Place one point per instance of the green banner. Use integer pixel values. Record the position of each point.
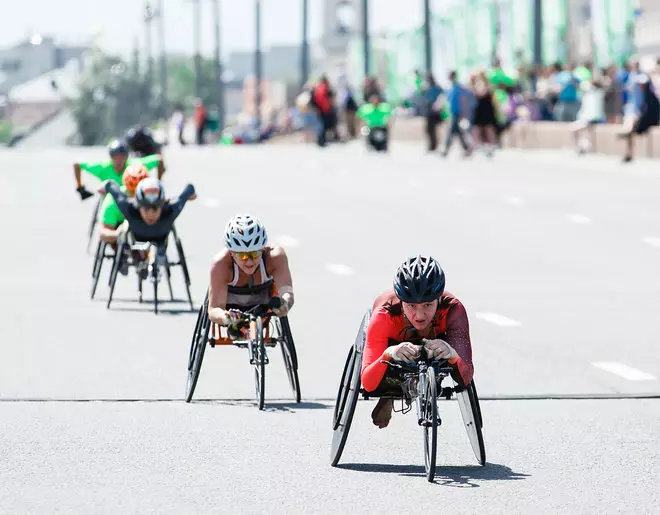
(483, 33)
(620, 30)
(555, 31)
(458, 22)
(521, 28)
(405, 55)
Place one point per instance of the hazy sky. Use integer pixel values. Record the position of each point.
(75, 20)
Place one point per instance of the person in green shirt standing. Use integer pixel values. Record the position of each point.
(113, 169)
(376, 116)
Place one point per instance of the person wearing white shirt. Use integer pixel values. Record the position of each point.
(592, 112)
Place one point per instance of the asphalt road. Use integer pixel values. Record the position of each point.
(555, 258)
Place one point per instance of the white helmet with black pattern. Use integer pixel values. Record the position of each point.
(245, 233)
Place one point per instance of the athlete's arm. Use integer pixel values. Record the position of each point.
(80, 188)
(282, 277)
(110, 219)
(220, 279)
(123, 203)
(375, 349)
(177, 205)
(154, 161)
(458, 336)
(109, 233)
(161, 166)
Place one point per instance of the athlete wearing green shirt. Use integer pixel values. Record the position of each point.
(375, 113)
(376, 116)
(114, 168)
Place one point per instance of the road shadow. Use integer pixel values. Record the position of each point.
(165, 306)
(453, 476)
(270, 406)
(162, 309)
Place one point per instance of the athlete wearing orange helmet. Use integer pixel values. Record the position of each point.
(132, 177)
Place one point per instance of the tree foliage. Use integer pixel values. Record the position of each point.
(113, 95)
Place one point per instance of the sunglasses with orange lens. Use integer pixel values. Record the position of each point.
(244, 256)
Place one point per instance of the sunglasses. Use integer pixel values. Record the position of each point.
(244, 256)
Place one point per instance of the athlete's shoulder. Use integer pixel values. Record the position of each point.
(452, 305)
(221, 261)
(450, 300)
(384, 302)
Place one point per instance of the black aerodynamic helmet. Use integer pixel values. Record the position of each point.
(419, 279)
(117, 147)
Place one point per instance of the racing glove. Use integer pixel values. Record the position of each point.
(84, 193)
(286, 301)
(440, 349)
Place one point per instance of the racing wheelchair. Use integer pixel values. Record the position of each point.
(258, 330)
(421, 383)
(94, 220)
(149, 260)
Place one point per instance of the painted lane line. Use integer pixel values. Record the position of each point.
(416, 184)
(499, 320)
(629, 373)
(211, 203)
(339, 269)
(578, 218)
(286, 241)
(654, 242)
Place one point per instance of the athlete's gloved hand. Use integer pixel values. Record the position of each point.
(286, 303)
(405, 351)
(84, 193)
(440, 349)
(231, 317)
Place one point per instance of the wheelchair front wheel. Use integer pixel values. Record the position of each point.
(428, 404)
(197, 348)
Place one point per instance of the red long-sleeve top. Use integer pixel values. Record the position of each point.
(388, 327)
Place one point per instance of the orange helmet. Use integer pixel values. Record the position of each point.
(133, 175)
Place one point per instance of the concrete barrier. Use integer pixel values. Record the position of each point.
(543, 135)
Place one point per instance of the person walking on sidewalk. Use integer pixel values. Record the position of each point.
(457, 101)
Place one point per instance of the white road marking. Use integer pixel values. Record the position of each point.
(578, 218)
(514, 201)
(339, 269)
(654, 242)
(211, 203)
(496, 319)
(416, 184)
(632, 374)
(286, 241)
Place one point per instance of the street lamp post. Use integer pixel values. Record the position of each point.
(427, 37)
(219, 84)
(365, 37)
(304, 50)
(164, 105)
(197, 21)
(148, 18)
(257, 64)
(538, 38)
